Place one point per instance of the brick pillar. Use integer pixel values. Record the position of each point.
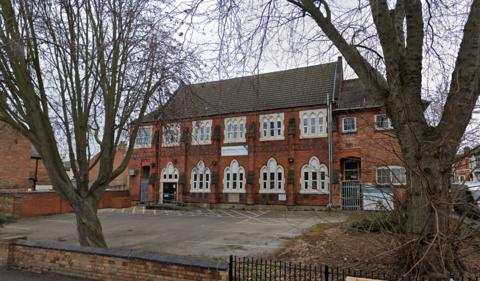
(6, 250)
(292, 166)
(249, 188)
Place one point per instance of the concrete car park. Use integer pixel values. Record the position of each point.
(200, 233)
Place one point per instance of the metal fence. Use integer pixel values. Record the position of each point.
(351, 196)
(242, 269)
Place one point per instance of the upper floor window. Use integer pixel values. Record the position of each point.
(200, 178)
(272, 178)
(144, 137)
(382, 122)
(313, 123)
(349, 124)
(395, 175)
(202, 131)
(314, 176)
(234, 178)
(171, 135)
(271, 127)
(235, 129)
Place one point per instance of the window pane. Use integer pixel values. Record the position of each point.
(305, 176)
(202, 133)
(314, 180)
(234, 181)
(313, 124)
(265, 128)
(241, 130)
(383, 176)
(320, 124)
(207, 137)
(305, 125)
(265, 180)
(272, 180)
(229, 131)
(279, 180)
(235, 130)
(272, 128)
(228, 180)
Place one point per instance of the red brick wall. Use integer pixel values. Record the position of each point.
(122, 179)
(103, 264)
(33, 204)
(14, 159)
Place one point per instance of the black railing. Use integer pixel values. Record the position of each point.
(243, 269)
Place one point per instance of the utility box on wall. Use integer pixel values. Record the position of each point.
(133, 172)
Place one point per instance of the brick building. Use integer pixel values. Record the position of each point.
(21, 168)
(122, 180)
(468, 167)
(299, 137)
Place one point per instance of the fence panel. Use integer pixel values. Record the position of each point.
(351, 196)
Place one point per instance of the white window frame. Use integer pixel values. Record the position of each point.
(309, 129)
(174, 128)
(278, 184)
(380, 128)
(169, 173)
(393, 179)
(354, 124)
(202, 181)
(268, 120)
(314, 168)
(148, 136)
(197, 127)
(234, 175)
(240, 133)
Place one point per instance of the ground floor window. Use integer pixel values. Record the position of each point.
(314, 176)
(200, 178)
(234, 177)
(395, 175)
(272, 177)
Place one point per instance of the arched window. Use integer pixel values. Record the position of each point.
(272, 127)
(272, 177)
(229, 130)
(305, 124)
(242, 126)
(234, 178)
(265, 127)
(171, 135)
(314, 176)
(279, 126)
(320, 123)
(235, 129)
(169, 173)
(200, 179)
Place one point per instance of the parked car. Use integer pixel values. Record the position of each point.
(466, 199)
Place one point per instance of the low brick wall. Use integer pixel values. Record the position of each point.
(109, 264)
(38, 203)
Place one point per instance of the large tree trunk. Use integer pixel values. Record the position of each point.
(89, 228)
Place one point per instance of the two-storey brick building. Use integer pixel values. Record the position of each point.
(293, 138)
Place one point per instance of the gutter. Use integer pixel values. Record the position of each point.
(330, 156)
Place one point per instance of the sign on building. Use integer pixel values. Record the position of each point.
(377, 199)
(235, 150)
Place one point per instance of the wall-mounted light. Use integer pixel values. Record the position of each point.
(152, 165)
(290, 159)
(214, 162)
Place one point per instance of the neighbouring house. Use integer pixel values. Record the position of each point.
(21, 168)
(121, 181)
(467, 167)
(301, 137)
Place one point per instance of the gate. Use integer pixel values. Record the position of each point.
(144, 190)
(351, 196)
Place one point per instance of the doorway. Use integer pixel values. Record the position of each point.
(169, 192)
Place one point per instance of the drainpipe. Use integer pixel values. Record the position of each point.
(330, 156)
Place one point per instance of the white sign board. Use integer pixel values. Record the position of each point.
(235, 150)
(377, 199)
(282, 197)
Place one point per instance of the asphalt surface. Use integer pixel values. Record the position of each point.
(14, 275)
(209, 234)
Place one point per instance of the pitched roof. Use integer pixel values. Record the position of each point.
(306, 86)
(353, 94)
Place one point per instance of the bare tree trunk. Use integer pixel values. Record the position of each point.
(89, 228)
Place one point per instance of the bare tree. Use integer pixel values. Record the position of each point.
(83, 72)
(400, 50)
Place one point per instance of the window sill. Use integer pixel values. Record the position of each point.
(234, 191)
(349, 133)
(142, 146)
(279, 138)
(170, 145)
(309, 191)
(234, 140)
(315, 136)
(377, 130)
(279, 191)
(199, 191)
(201, 143)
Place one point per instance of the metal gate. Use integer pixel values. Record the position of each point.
(144, 190)
(351, 196)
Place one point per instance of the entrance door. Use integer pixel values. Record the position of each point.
(169, 192)
(144, 190)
